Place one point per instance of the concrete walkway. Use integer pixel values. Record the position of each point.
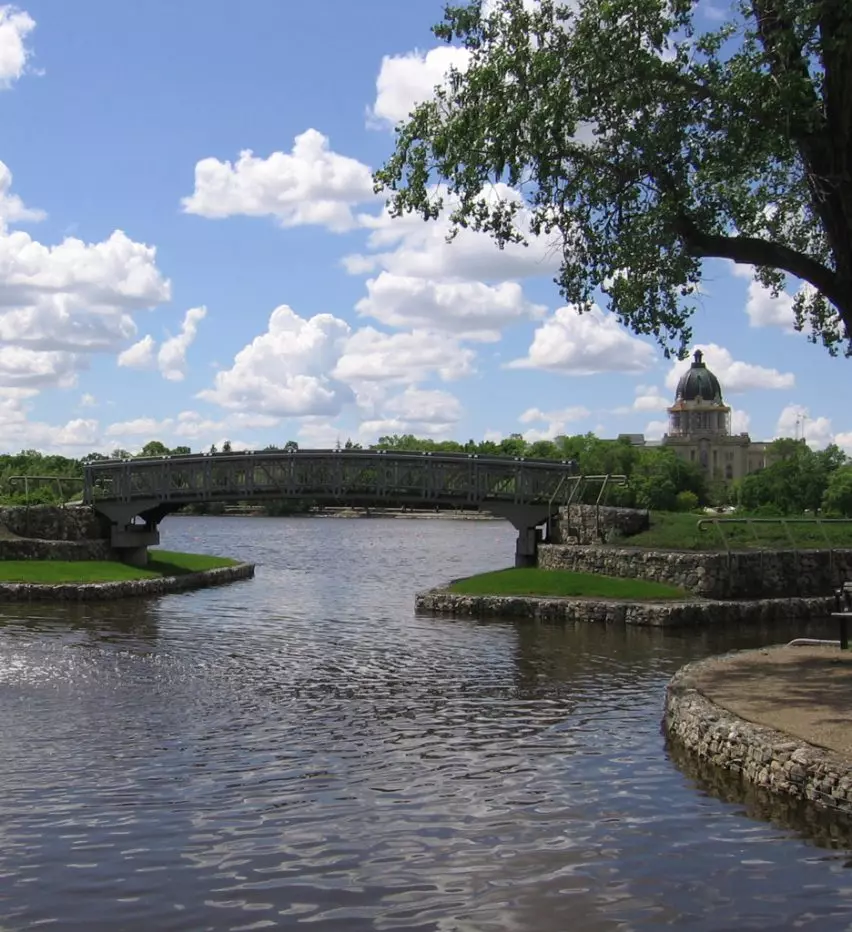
(805, 692)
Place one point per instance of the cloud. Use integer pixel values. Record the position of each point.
(148, 427)
(403, 357)
(556, 421)
(584, 344)
(140, 355)
(171, 358)
(654, 430)
(12, 208)
(64, 302)
(740, 421)
(407, 80)
(650, 398)
(285, 371)
(417, 411)
(311, 185)
(88, 400)
(472, 310)
(408, 247)
(734, 376)
(796, 421)
(15, 26)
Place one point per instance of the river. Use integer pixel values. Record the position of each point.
(303, 751)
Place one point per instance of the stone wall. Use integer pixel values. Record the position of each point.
(590, 524)
(51, 522)
(25, 548)
(761, 755)
(89, 592)
(604, 611)
(738, 574)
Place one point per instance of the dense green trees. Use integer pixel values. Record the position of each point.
(796, 481)
(640, 146)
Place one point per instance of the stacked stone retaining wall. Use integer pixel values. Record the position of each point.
(593, 524)
(25, 548)
(761, 755)
(53, 522)
(692, 613)
(96, 592)
(737, 574)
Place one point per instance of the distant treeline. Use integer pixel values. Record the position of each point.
(798, 479)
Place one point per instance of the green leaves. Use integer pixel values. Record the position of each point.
(643, 147)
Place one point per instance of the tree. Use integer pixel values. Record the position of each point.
(154, 448)
(643, 146)
(837, 499)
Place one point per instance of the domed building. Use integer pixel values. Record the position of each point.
(700, 428)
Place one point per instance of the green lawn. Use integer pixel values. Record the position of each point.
(678, 531)
(160, 563)
(533, 581)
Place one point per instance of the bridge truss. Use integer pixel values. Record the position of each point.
(526, 492)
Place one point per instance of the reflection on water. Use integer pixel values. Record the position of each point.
(302, 748)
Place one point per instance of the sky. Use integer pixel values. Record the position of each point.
(191, 251)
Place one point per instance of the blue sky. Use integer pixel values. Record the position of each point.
(190, 251)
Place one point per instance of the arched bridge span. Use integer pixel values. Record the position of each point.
(526, 492)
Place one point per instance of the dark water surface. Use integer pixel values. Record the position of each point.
(302, 750)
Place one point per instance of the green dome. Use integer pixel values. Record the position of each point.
(699, 383)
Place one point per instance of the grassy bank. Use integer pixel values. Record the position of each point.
(161, 563)
(678, 531)
(556, 583)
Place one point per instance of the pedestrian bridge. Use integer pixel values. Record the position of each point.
(526, 492)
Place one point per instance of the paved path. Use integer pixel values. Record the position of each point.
(803, 691)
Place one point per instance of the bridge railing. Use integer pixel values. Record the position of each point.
(330, 475)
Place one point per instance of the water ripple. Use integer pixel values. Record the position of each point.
(304, 750)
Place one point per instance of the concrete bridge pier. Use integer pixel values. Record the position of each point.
(129, 540)
(527, 520)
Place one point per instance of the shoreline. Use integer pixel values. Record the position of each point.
(777, 760)
(661, 614)
(128, 588)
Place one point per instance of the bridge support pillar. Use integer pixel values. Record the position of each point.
(526, 520)
(132, 541)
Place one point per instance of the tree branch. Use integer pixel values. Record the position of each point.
(750, 250)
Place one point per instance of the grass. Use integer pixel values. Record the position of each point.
(537, 582)
(679, 531)
(160, 563)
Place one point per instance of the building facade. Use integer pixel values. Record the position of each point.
(700, 428)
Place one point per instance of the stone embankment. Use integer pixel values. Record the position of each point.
(52, 522)
(598, 524)
(764, 756)
(96, 592)
(737, 574)
(663, 614)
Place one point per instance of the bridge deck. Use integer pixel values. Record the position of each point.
(354, 477)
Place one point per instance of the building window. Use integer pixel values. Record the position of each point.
(729, 471)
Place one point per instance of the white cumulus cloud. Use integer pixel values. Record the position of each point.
(406, 246)
(407, 80)
(556, 421)
(140, 355)
(425, 413)
(734, 375)
(796, 421)
(584, 344)
(372, 356)
(15, 26)
(309, 185)
(171, 358)
(285, 371)
(472, 310)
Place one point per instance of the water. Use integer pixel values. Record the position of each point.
(301, 750)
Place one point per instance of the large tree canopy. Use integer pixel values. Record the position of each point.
(643, 146)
